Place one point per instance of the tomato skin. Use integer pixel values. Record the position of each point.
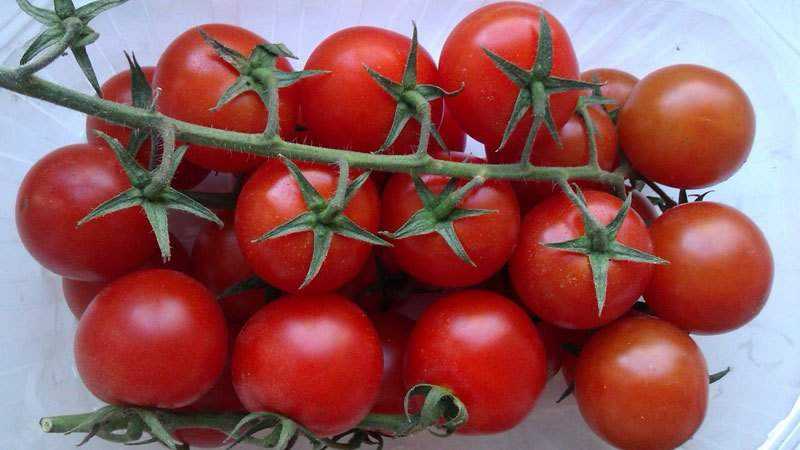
(642, 384)
(61, 189)
(292, 337)
(709, 245)
(486, 350)
(155, 338)
(394, 331)
(78, 294)
(272, 197)
(192, 78)
(217, 260)
(488, 239)
(118, 89)
(687, 126)
(618, 84)
(511, 30)
(573, 152)
(642, 205)
(453, 136)
(364, 111)
(557, 285)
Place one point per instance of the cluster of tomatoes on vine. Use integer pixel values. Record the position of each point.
(210, 331)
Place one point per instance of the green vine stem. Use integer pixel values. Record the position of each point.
(258, 144)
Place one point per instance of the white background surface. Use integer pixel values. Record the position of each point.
(756, 42)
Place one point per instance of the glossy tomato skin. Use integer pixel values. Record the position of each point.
(511, 30)
(295, 337)
(488, 239)
(217, 260)
(118, 89)
(486, 350)
(272, 197)
(642, 384)
(557, 285)
(61, 189)
(394, 331)
(687, 126)
(78, 294)
(720, 270)
(573, 152)
(453, 136)
(192, 77)
(618, 84)
(155, 338)
(363, 113)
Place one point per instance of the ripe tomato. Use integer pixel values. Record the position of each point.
(555, 340)
(316, 359)
(60, 190)
(720, 270)
(573, 152)
(557, 285)
(192, 77)
(363, 113)
(488, 239)
(511, 30)
(618, 84)
(393, 330)
(642, 384)
(78, 294)
(453, 136)
(486, 350)
(687, 126)
(272, 197)
(118, 89)
(155, 338)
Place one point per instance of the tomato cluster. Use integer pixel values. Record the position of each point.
(526, 277)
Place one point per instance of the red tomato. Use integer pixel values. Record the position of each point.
(643, 206)
(574, 152)
(78, 294)
(511, 30)
(453, 136)
(720, 270)
(316, 359)
(618, 84)
(155, 338)
(393, 330)
(557, 285)
(60, 190)
(272, 197)
(217, 260)
(363, 111)
(642, 384)
(488, 239)
(192, 78)
(118, 89)
(555, 340)
(687, 126)
(486, 350)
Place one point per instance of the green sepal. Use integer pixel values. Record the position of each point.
(232, 57)
(355, 438)
(124, 200)
(701, 197)
(567, 392)
(302, 222)
(714, 377)
(85, 64)
(43, 41)
(289, 78)
(41, 15)
(64, 8)
(138, 175)
(91, 10)
(157, 429)
(683, 197)
(248, 284)
(126, 425)
(448, 232)
(177, 200)
(442, 412)
(284, 431)
(159, 222)
(141, 91)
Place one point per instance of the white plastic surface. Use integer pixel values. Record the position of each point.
(755, 42)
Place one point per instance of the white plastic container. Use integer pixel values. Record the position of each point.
(757, 43)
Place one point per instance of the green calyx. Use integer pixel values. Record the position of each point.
(599, 243)
(535, 88)
(324, 218)
(440, 212)
(413, 101)
(442, 412)
(259, 73)
(65, 27)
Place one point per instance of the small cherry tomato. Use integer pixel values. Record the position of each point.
(557, 285)
(618, 85)
(687, 126)
(314, 358)
(191, 78)
(60, 190)
(486, 350)
(155, 338)
(720, 271)
(393, 330)
(642, 384)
